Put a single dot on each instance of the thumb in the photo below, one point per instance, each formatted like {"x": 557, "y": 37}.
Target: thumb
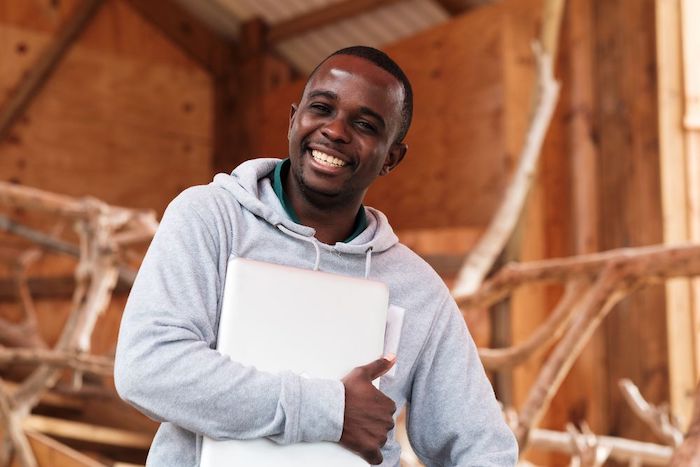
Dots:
{"x": 380, "y": 366}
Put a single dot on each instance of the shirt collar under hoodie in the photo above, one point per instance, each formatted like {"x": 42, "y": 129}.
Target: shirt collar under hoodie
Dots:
{"x": 250, "y": 185}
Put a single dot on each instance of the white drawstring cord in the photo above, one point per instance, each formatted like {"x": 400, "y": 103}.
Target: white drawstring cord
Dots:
{"x": 368, "y": 261}
{"x": 311, "y": 240}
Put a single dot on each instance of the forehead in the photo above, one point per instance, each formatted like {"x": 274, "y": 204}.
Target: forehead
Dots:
{"x": 357, "y": 78}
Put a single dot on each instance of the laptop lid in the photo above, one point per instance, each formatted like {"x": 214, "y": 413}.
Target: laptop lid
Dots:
{"x": 279, "y": 318}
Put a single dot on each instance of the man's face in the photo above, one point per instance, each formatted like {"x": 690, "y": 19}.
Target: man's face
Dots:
{"x": 342, "y": 134}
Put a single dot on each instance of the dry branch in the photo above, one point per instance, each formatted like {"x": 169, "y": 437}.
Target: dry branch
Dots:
{"x": 81, "y": 362}
{"x": 587, "y": 451}
{"x": 589, "y": 312}
{"x": 23, "y": 451}
{"x": 658, "y": 419}
{"x": 652, "y": 263}
{"x": 623, "y": 450}
{"x": 101, "y": 228}
{"x": 545, "y": 334}
{"x": 482, "y": 258}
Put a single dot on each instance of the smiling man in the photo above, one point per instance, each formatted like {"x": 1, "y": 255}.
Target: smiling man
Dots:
{"x": 307, "y": 210}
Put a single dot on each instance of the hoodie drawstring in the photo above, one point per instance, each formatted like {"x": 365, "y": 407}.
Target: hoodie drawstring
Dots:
{"x": 368, "y": 261}
{"x": 311, "y": 240}
{"x": 314, "y": 242}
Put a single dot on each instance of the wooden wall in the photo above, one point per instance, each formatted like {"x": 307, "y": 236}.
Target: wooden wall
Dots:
{"x": 127, "y": 117}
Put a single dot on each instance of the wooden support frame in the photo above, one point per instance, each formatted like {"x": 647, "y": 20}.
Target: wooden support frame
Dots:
{"x": 46, "y": 64}
{"x": 211, "y": 50}
{"x": 322, "y": 17}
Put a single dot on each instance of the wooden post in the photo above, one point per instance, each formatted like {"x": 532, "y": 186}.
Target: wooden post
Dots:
{"x": 674, "y": 180}
{"x": 589, "y": 384}
{"x": 691, "y": 120}
{"x": 630, "y": 195}
{"x": 239, "y": 97}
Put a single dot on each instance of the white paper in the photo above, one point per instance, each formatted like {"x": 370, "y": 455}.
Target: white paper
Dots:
{"x": 392, "y": 333}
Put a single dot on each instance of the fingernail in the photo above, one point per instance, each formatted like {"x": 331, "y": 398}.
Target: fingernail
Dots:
{"x": 390, "y": 357}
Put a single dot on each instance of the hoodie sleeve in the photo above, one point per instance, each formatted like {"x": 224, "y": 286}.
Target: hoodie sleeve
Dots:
{"x": 454, "y": 418}
{"x": 164, "y": 363}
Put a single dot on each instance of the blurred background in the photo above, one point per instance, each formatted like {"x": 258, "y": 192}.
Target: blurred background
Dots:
{"x": 132, "y": 101}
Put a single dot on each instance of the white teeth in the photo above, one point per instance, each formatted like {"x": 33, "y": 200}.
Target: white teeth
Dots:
{"x": 325, "y": 159}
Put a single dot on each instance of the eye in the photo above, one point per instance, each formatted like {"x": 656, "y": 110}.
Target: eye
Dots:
{"x": 320, "y": 108}
{"x": 366, "y": 126}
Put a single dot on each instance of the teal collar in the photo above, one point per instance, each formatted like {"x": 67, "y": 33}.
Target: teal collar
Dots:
{"x": 280, "y": 171}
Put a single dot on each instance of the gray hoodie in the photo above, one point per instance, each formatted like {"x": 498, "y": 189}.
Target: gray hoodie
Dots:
{"x": 167, "y": 366}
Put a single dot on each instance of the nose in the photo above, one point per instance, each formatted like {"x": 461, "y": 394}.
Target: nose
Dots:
{"x": 337, "y": 131}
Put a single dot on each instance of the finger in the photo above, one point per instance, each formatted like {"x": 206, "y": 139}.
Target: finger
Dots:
{"x": 374, "y": 457}
{"x": 380, "y": 366}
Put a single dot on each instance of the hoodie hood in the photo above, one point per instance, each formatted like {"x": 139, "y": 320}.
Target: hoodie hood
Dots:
{"x": 249, "y": 183}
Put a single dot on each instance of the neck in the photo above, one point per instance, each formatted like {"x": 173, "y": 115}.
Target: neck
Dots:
{"x": 333, "y": 221}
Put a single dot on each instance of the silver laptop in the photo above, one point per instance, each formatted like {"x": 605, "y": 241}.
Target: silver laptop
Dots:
{"x": 279, "y": 318}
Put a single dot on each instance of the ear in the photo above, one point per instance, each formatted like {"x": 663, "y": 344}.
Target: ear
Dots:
{"x": 292, "y": 114}
{"x": 394, "y": 158}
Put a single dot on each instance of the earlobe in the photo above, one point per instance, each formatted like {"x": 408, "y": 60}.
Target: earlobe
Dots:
{"x": 394, "y": 158}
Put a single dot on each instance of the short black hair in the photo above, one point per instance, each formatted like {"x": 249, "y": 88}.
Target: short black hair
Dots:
{"x": 384, "y": 62}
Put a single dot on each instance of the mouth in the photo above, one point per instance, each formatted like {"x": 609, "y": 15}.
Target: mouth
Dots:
{"x": 327, "y": 160}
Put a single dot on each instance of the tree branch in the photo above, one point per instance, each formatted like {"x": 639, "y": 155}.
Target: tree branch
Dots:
{"x": 545, "y": 334}
{"x": 652, "y": 263}
{"x": 483, "y": 256}
{"x": 659, "y": 420}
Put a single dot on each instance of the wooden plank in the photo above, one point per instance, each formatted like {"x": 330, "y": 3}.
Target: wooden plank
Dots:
{"x": 50, "y": 452}
{"x": 674, "y": 175}
{"x": 43, "y": 68}
{"x": 691, "y": 78}
{"x": 42, "y": 288}
{"x": 322, "y": 17}
{"x": 209, "y": 48}
{"x": 587, "y": 386}
{"x": 87, "y": 432}
{"x": 630, "y": 194}
{"x": 693, "y": 183}
{"x": 691, "y": 49}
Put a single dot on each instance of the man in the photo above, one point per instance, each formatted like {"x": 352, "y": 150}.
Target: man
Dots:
{"x": 347, "y": 130}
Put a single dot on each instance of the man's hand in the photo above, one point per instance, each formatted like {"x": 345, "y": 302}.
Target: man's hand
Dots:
{"x": 368, "y": 412}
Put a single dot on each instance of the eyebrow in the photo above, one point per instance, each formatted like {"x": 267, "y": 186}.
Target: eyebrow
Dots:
{"x": 333, "y": 96}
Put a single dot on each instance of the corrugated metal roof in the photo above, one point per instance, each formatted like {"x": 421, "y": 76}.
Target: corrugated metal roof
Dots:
{"x": 378, "y": 27}
{"x": 375, "y": 28}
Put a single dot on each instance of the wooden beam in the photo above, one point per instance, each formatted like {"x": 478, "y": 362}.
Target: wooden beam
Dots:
{"x": 674, "y": 198}
{"x": 87, "y": 432}
{"x": 323, "y": 17}
{"x": 691, "y": 75}
{"x": 48, "y": 451}
{"x": 46, "y": 64}
{"x": 208, "y": 48}
{"x": 457, "y": 7}
{"x": 50, "y": 288}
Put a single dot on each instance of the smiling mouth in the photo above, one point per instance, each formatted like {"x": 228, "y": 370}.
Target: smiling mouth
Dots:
{"x": 327, "y": 160}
